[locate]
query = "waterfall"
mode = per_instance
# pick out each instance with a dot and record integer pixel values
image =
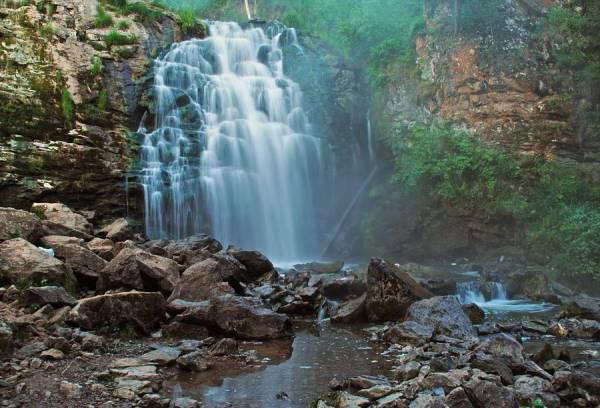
(370, 138)
(499, 291)
(470, 292)
(231, 150)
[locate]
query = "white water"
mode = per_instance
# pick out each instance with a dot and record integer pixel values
(470, 292)
(370, 138)
(232, 150)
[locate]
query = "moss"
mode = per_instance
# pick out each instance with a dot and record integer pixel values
(39, 212)
(68, 108)
(96, 67)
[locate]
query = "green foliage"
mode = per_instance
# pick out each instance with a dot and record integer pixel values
(114, 37)
(68, 108)
(102, 100)
(97, 66)
(142, 11)
(39, 212)
(556, 205)
(187, 18)
(48, 30)
(123, 25)
(103, 19)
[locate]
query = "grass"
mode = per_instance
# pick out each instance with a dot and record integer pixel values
(115, 37)
(96, 67)
(103, 19)
(68, 108)
(123, 25)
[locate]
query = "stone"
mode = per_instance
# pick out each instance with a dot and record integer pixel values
(553, 366)
(475, 314)
(47, 295)
(124, 393)
(194, 361)
(224, 347)
(91, 342)
(24, 264)
(31, 349)
(505, 348)
(70, 390)
(163, 355)
(395, 400)
(493, 365)
(426, 400)
(570, 385)
(347, 400)
(343, 288)
(154, 401)
(489, 394)
(52, 354)
(54, 241)
(445, 315)
(118, 230)
(178, 330)
(211, 277)
(390, 292)
(248, 318)
(529, 389)
(142, 310)
(6, 337)
(376, 392)
(19, 224)
(83, 262)
(448, 381)
(104, 248)
(367, 381)
(407, 371)
(188, 346)
(137, 372)
(457, 398)
(185, 403)
(61, 220)
(138, 269)
(352, 311)
(189, 246)
(257, 265)
(584, 306)
(408, 332)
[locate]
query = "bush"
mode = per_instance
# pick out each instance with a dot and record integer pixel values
(116, 38)
(103, 19)
(187, 18)
(68, 108)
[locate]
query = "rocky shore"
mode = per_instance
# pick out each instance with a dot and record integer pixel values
(97, 315)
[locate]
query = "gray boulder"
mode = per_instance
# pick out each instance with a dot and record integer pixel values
(19, 224)
(445, 315)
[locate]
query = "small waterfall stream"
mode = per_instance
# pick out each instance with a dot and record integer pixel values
(498, 302)
(232, 151)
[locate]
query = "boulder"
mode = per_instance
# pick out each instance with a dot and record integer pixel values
(408, 332)
(353, 311)
(475, 314)
(488, 394)
(47, 295)
(142, 310)
(19, 224)
(134, 268)
(200, 242)
(6, 337)
(571, 385)
(320, 267)
(505, 348)
(118, 230)
(61, 220)
(224, 347)
(458, 398)
(194, 361)
(583, 306)
(445, 315)
(213, 276)
(390, 292)
(24, 264)
(257, 265)
(343, 288)
(83, 262)
(528, 389)
(104, 248)
(162, 355)
(248, 318)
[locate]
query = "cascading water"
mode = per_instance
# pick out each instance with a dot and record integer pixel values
(471, 292)
(232, 151)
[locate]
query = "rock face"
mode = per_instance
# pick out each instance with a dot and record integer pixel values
(76, 151)
(22, 263)
(138, 269)
(19, 224)
(208, 278)
(444, 314)
(390, 292)
(142, 310)
(248, 318)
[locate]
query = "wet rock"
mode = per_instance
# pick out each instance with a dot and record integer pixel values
(505, 348)
(118, 230)
(247, 318)
(493, 365)
(353, 311)
(83, 262)
(347, 400)
(178, 330)
(458, 398)
(163, 355)
(142, 310)
(529, 389)
(194, 312)
(196, 243)
(408, 332)
(19, 224)
(61, 220)
(224, 347)
(584, 306)
(490, 395)
(257, 265)
(390, 292)
(448, 381)
(195, 361)
(24, 264)
(475, 314)
(138, 269)
(211, 277)
(367, 381)
(407, 371)
(395, 400)
(47, 295)
(343, 288)
(445, 315)
(376, 392)
(185, 403)
(104, 248)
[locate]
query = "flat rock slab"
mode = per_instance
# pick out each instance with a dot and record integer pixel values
(162, 355)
